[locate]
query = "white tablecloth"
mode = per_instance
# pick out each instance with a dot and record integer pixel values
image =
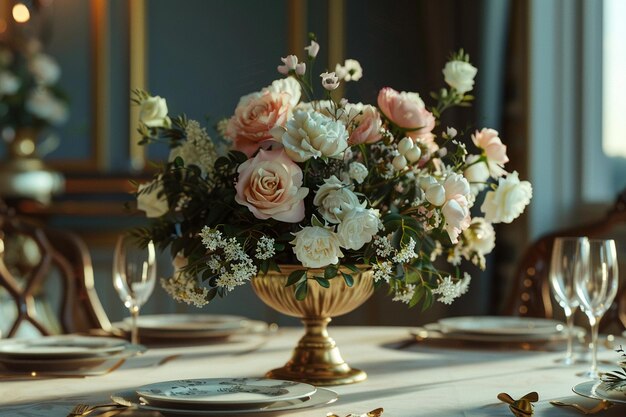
(416, 381)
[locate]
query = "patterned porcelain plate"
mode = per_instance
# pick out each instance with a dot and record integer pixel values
(189, 322)
(61, 347)
(597, 390)
(320, 397)
(224, 391)
(497, 325)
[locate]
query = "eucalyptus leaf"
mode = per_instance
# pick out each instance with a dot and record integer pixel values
(302, 290)
(295, 276)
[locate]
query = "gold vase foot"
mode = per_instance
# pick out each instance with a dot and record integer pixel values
(320, 378)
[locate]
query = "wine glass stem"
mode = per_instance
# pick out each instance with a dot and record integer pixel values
(134, 336)
(594, 345)
(569, 315)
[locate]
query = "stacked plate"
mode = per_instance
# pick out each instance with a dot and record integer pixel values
(65, 353)
(497, 329)
(188, 327)
(220, 396)
(598, 390)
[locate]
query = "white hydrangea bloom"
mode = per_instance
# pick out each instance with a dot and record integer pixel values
(313, 135)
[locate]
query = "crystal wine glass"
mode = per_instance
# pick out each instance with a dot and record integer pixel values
(134, 275)
(565, 256)
(596, 286)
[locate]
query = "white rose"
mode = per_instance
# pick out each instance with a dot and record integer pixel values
(333, 199)
(313, 135)
(44, 105)
(460, 75)
(358, 172)
(480, 237)
(508, 201)
(316, 247)
(153, 112)
(45, 69)
(358, 227)
(477, 173)
(9, 83)
(154, 201)
(457, 216)
(287, 85)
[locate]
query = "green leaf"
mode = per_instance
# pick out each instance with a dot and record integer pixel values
(178, 162)
(417, 296)
(428, 299)
(295, 276)
(211, 294)
(301, 290)
(323, 282)
(330, 272)
(353, 268)
(263, 267)
(348, 279)
(316, 222)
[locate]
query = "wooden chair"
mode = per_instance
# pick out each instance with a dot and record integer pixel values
(531, 296)
(29, 255)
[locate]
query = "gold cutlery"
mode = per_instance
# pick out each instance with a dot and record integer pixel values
(374, 413)
(522, 407)
(601, 406)
(84, 409)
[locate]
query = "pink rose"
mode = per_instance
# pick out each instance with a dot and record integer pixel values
(406, 110)
(270, 185)
(255, 115)
(368, 125)
(494, 149)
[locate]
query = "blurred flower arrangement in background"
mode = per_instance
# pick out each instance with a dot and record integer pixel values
(330, 185)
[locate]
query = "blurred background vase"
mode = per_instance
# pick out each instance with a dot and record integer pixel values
(23, 175)
(316, 359)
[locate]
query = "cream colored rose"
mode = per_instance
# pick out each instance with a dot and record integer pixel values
(358, 172)
(358, 227)
(313, 135)
(508, 201)
(480, 237)
(270, 185)
(154, 201)
(460, 75)
(333, 198)
(477, 173)
(153, 112)
(316, 247)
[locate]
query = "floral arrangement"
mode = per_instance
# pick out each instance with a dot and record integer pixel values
(327, 184)
(29, 93)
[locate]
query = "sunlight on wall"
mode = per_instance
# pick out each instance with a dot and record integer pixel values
(614, 88)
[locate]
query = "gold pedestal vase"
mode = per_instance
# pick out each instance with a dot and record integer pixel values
(316, 359)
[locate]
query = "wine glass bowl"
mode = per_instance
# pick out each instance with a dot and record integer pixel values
(134, 276)
(596, 286)
(565, 258)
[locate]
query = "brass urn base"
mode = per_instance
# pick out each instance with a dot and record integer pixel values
(316, 359)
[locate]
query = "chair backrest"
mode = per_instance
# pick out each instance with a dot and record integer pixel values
(531, 296)
(39, 263)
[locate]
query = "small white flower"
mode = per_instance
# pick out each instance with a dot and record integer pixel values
(265, 248)
(290, 63)
(316, 247)
(404, 295)
(406, 253)
(358, 227)
(333, 199)
(9, 83)
(448, 290)
(153, 112)
(197, 149)
(351, 70)
(382, 271)
(152, 199)
(451, 132)
(358, 172)
(313, 135)
(330, 81)
(312, 49)
(185, 289)
(508, 201)
(383, 246)
(211, 238)
(45, 69)
(460, 75)
(399, 162)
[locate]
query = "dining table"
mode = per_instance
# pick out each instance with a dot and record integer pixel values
(404, 378)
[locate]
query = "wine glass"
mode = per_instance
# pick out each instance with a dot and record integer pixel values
(565, 256)
(596, 286)
(134, 275)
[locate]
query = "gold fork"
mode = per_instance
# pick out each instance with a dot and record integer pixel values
(84, 409)
(601, 406)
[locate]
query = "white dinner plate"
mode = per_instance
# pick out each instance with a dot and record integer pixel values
(224, 391)
(435, 331)
(245, 327)
(189, 322)
(61, 347)
(320, 397)
(505, 325)
(597, 390)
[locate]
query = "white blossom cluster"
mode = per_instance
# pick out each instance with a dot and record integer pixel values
(197, 149)
(227, 259)
(406, 253)
(405, 294)
(184, 288)
(382, 271)
(449, 290)
(265, 248)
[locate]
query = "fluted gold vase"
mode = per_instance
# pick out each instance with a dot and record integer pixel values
(316, 359)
